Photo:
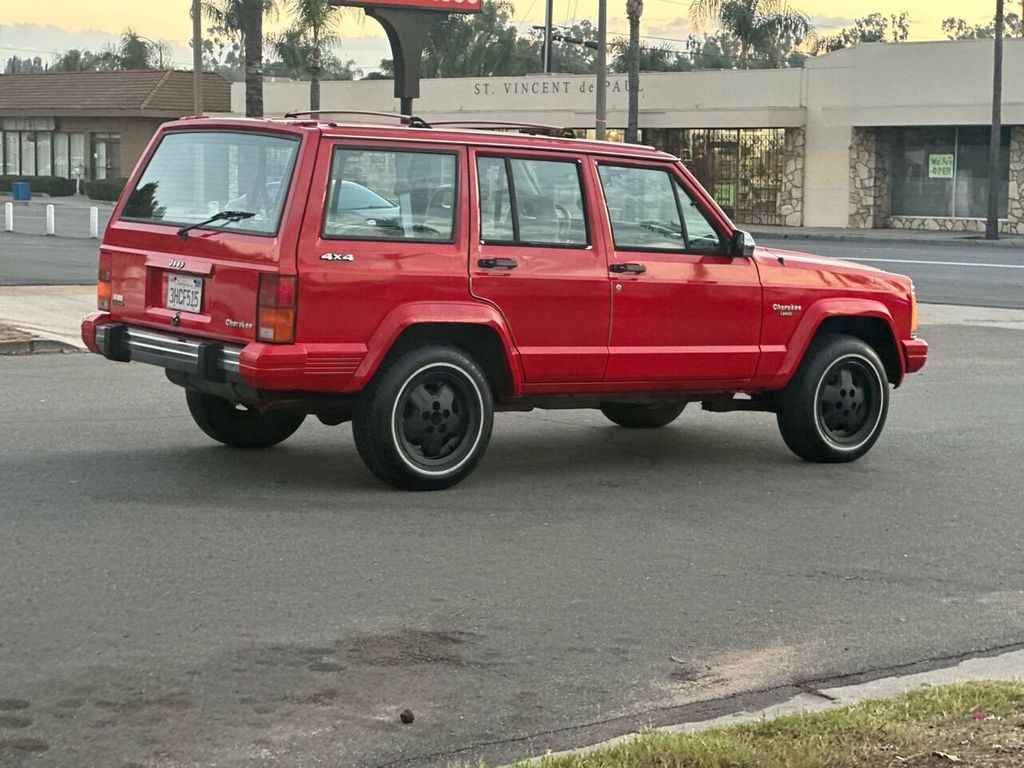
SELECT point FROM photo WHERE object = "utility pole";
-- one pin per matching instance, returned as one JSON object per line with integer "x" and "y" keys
{"x": 992, "y": 224}
{"x": 601, "y": 108}
{"x": 548, "y": 12}
{"x": 197, "y": 57}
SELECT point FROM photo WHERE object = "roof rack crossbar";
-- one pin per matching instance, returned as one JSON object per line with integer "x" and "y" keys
{"x": 540, "y": 129}
{"x": 412, "y": 120}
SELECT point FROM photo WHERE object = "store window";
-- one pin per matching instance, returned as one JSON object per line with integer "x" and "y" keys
{"x": 12, "y": 153}
{"x": 943, "y": 172}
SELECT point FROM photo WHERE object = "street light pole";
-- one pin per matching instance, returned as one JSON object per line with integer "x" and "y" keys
{"x": 197, "y": 57}
{"x": 548, "y": 12}
{"x": 992, "y": 223}
{"x": 601, "y": 108}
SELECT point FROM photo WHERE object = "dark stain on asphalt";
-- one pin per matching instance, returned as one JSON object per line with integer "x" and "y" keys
{"x": 412, "y": 647}
{"x": 14, "y": 721}
{"x": 322, "y": 698}
{"x": 9, "y": 705}
{"x": 22, "y": 745}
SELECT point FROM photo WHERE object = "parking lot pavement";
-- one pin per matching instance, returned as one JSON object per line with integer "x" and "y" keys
{"x": 41, "y": 260}
{"x": 71, "y": 215}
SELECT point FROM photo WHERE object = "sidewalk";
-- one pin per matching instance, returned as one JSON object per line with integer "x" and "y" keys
{"x": 881, "y": 236}
{"x": 1007, "y": 666}
{"x": 43, "y": 318}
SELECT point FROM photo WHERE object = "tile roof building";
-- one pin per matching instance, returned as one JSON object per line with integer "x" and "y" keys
{"x": 92, "y": 125}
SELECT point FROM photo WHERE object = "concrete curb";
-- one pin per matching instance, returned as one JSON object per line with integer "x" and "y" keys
{"x": 36, "y": 347}
{"x": 1005, "y": 666}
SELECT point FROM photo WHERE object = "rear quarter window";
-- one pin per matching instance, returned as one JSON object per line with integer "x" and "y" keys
{"x": 193, "y": 175}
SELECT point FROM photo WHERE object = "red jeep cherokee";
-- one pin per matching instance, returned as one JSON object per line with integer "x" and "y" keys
{"x": 414, "y": 279}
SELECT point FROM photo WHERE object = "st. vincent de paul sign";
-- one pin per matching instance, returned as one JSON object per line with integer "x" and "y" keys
{"x": 547, "y": 86}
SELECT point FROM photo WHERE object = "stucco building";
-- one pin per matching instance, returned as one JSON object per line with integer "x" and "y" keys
{"x": 879, "y": 135}
{"x": 91, "y": 125}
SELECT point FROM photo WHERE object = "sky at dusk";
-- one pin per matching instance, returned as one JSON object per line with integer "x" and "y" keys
{"x": 41, "y": 27}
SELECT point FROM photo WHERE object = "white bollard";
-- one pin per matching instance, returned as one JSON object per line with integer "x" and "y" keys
{"x": 50, "y": 220}
{"x": 94, "y": 222}
{"x": 8, "y": 217}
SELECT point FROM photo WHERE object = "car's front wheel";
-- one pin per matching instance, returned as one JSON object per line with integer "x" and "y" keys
{"x": 642, "y": 416}
{"x": 425, "y": 422}
{"x": 238, "y": 426}
{"x": 835, "y": 407}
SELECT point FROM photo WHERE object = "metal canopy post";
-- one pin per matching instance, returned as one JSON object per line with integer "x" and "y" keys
{"x": 407, "y": 30}
{"x": 408, "y": 24}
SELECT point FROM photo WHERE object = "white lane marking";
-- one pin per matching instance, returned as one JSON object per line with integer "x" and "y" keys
{"x": 940, "y": 263}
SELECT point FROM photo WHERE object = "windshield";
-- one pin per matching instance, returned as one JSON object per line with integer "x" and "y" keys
{"x": 194, "y": 175}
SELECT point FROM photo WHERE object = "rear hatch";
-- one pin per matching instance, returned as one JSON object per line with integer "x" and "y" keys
{"x": 204, "y": 282}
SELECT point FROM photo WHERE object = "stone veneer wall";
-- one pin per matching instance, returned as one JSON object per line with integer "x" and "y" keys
{"x": 869, "y": 178}
{"x": 1013, "y": 224}
{"x": 791, "y": 196}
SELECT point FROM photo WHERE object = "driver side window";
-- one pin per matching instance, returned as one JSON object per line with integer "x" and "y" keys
{"x": 650, "y": 211}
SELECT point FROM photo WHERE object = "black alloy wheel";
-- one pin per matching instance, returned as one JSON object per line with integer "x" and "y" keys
{"x": 834, "y": 408}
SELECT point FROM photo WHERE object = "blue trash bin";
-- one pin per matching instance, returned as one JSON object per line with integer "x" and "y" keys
{"x": 21, "y": 190}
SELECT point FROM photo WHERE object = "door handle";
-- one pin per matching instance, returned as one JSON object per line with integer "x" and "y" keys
{"x": 497, "y": 263}
{"x": 630, "y": 267}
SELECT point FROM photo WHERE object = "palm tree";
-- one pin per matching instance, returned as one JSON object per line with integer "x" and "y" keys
{"x": 634, "y": 10}
{"x": 245, "y": 19}
{"x": 313, "y": 32}
{"x": 757, "y": 24}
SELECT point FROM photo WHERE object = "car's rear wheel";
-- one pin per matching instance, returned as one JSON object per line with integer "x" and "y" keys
{"x": 238, "y": 426}
{"x": 425, "y": 422}
{"x": 835, "y": 407}
{"x": 642, "y": 416}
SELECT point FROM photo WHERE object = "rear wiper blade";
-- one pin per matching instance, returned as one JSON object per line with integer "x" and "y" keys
{"x": 222, "y": 216}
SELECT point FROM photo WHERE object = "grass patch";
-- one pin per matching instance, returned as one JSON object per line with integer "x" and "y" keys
{"x": 967, "y": 724}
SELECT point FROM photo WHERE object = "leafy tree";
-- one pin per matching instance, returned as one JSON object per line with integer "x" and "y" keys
{"x": 306, "y": 47}
{"x": 242, "y": 22}
{"x": 759, "y": 26}
{"x": 26, "y": 66}
{"x": 873, "y": 28}
{"x": 958, "y": 29}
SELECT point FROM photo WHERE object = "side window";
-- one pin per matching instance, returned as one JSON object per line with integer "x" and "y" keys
{"x": 538, "y": 202}
{"x": 650, "y": 211}
{"x": 390, "y": 195}
{"x": 701, "y": 236}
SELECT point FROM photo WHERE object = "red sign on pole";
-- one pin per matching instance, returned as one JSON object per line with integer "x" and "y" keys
{"x": 445, "y": 6}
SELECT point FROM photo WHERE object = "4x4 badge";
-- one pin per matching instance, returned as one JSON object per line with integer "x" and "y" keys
{"x": 176, "y": 264}
{"x": 337, "y": 257}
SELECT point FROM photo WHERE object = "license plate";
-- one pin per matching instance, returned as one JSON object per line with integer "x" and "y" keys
{"x": 184, "y": 293}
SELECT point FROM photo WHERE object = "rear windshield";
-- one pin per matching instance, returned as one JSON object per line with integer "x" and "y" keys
{"x": 193, "y": 176}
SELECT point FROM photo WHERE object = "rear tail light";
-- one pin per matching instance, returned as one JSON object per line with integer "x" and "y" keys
{"x": 275, "y": 313}
{"x": 103, "y": 289}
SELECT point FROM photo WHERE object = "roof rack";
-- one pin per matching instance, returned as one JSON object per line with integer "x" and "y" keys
{"x": 412, "y": 120}
{"x": 532, "y": 129}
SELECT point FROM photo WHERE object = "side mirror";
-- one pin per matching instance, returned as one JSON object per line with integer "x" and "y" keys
{"x": 741, "y": 244}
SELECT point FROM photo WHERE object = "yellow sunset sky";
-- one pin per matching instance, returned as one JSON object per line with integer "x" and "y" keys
{"x": 664, "y": 19}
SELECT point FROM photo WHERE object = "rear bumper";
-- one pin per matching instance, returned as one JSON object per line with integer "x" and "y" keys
{"x": 209, "y": 360}
{"x": 915, "y": 354}
{"x": 308, "y": 367}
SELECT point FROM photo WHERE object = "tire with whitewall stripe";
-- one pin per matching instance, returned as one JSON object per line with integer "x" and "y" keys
{"x": 425, "y": 421}
{"x": 835, "y": 407}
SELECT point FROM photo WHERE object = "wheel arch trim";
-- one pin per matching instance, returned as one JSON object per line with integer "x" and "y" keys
{"x": 408, "y": 316}
{"x": 816, "y": 316}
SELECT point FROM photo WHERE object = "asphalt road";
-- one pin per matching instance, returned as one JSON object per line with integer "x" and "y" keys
{"x": 968, "y": 273}
{"x": 166, "y": 601}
